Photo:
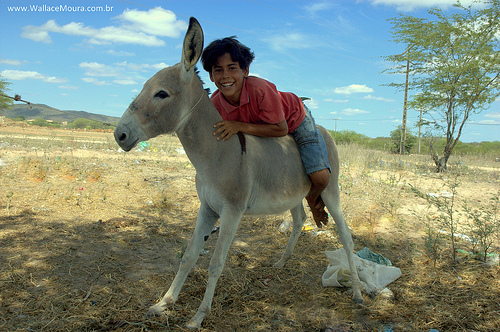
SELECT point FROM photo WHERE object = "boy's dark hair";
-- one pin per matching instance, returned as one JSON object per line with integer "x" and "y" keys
{"x": 239, "y": 53}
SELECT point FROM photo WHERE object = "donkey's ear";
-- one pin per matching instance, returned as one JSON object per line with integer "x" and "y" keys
{"x": 193, "y": 45}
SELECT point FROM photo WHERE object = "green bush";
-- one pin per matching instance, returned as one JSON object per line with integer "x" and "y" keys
{"x": 44, "y": 123}
{"x": 490, "y": 149}
{"x": 348, "y": 137}
{"x": 82, "y": 123}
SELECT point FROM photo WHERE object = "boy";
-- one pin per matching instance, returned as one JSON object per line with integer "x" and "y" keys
{"x": 254, "y": 106}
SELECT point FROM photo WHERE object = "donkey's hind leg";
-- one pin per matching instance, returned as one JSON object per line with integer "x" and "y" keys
{"x": 298, "y": 219}
{"x": 331, "y": 197}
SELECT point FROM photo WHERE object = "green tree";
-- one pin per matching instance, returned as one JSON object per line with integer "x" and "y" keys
{"x": 396, "y": 140}
{"x": 455, "y": 66}
{"x": 4, "y": 101}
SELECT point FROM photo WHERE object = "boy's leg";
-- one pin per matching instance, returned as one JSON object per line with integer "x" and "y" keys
{"x": 320, "y": 180}
{"x": 314, "y": 157}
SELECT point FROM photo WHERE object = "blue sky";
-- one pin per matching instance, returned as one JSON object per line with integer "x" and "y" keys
{"x": 97, "y": 60}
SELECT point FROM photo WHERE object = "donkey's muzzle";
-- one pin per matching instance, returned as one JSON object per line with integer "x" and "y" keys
{"x": 128, "y": 132}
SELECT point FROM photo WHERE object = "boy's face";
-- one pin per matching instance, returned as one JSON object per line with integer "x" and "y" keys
{"x": 228, "y": 77}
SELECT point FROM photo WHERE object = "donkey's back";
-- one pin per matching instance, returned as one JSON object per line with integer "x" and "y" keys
{"x": 271, "y": 170}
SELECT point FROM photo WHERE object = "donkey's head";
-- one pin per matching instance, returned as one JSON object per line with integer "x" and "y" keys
{"x": 166, "y": 99}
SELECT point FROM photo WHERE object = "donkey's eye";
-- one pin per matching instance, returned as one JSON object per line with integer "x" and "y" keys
{"x": 161, "y": 94}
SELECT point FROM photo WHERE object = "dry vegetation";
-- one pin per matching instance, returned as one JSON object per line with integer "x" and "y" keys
{"x": 90, "y": 237}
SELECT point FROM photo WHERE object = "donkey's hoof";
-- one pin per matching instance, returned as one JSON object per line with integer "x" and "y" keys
{"x": 156, "y": 310}
{"x": 279, "y": 264}
{"x": 356, "y": 293}
{"x": 358, "y": 300}
{"x": 192, "y": 325}
{"x": 195, "y": 322}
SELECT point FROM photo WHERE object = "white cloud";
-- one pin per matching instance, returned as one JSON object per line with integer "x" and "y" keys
{"x": 137, "y": 27}
{"x": 68, "y": 87}
{"x": 125, "y": 82}
{"x": 102, "y": 36}
{"x": 353, "y": 111}
{"x": 94, "y": 81}
{"x": 353, "y": 88}
{"x": 120, "y": 53}
{"x": 38, "y": 34}
{"x": 316, "y": 7}
{"x": 156, "y": 22}
{"x": 409, "y": 5}
{"x": 378, "y": 98}
{"x": 116, "y": 69}
{"x": 18, "y": 75}
{"x": 124, "y": 73}
{"x": 494, "y": 115}
{"x": 339, "y": 101}
{"x": 489, "y": 122}
{"x": 11, "y": 62}
{"x": 98, "y": 69}
{"x": 142, "y": 66}
{"x": 288, "y": 41}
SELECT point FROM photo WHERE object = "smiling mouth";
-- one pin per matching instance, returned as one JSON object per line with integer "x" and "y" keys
{"x": 227, "y": 85}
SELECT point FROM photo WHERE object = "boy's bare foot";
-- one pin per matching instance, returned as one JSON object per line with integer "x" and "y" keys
{"x": 320, "y": 216}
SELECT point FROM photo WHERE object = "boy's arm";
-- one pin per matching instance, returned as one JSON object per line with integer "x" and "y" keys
{"x": 226, "y": 129}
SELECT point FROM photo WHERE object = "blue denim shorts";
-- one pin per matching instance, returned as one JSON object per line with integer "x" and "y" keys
{"x": 312, "y": 147}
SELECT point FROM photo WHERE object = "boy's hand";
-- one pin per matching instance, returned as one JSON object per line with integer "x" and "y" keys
{"x": 226, "y": 129}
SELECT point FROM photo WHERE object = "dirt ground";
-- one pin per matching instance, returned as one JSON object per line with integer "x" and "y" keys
{"x": 91, "y": 236}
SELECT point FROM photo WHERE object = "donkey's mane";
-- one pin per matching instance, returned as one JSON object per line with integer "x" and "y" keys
{"x": 197, "y": 72}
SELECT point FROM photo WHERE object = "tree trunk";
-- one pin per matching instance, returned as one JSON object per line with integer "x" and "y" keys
{"x": 440, "y": 162}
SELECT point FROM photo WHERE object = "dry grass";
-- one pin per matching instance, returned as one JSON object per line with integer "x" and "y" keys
{"x": 91, "y": 237}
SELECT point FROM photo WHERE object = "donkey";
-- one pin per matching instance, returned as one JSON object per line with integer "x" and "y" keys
{"x": 265, "y": 177}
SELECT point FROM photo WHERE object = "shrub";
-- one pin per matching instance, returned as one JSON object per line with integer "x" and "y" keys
{"x": 44, "y": 123}
{"x": 82, "y": 123}
{"x": 349, "y": 136}
{"x": 483, "y": 225}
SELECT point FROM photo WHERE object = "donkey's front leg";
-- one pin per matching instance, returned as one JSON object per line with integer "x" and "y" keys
{"x": 229, "y": 221}
{"x": 204, "y": 225}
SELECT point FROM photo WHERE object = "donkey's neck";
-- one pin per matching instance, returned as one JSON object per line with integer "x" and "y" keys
{"x": 196, "y": 135}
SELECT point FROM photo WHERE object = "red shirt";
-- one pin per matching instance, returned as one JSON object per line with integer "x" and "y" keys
{"x": 261, "y": 102}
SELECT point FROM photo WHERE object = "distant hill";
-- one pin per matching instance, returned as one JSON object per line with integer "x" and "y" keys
{"x": 40, "y": 111}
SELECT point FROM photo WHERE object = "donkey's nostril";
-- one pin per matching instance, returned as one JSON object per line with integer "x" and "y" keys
{"x": 122, "y": 137}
